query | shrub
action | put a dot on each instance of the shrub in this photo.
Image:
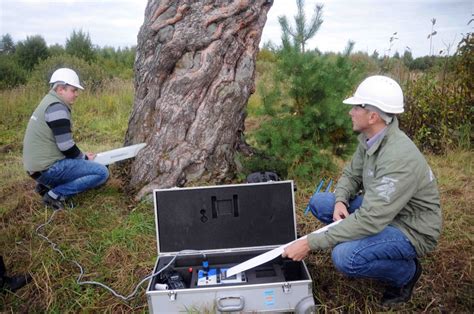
(31, 51)
(118, 63)
(80, 45)
(7, 45)
(56, 49)
(11, 74)
(439, 106)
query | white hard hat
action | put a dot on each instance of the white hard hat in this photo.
(379, 91)
(67, 76)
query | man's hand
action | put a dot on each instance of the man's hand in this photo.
(90, 156)
(298, 250)
(340, 211)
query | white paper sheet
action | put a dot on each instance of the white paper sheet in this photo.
(268, 256)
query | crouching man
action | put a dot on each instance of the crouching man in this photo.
(397, 218)
(50, 155)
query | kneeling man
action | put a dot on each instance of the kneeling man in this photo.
(387, 198)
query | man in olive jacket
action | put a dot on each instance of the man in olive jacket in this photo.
(50, 154)
(387, 198)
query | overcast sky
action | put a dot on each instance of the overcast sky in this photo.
(370, 23)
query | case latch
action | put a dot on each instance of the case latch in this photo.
(286, 287)
(172, 295)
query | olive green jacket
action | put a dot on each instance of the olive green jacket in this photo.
(399, 190)
(40, 149)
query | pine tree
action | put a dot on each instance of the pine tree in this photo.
(302, 31)
(313, 124)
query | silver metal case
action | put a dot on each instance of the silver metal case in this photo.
(224, 226)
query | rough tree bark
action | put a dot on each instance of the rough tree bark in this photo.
(194, 72)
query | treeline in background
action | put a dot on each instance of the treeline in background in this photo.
(296, 122)
(31, 61)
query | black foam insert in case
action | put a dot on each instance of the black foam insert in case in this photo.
(225, 217)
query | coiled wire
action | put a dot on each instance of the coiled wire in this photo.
(79, 281)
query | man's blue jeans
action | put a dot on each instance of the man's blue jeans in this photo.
(387, 256)
(68, 176)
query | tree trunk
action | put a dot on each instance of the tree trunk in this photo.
(194, 73)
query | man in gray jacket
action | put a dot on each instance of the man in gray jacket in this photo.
(387, 199)
(50, 154)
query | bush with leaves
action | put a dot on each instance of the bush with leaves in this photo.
(31, 51)
(306, 132)
(439, 106)
(56, 49)
(7, 45)
(11, 74)
(118, 62)
(91, 75)
(80, 45)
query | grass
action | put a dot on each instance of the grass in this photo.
(113, 237)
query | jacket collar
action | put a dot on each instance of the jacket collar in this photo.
(391, 128)
(55, 95)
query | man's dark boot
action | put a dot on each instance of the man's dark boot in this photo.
(11, 283)
(53, 203)
(14, 283)
(397, 295)
(41, 189)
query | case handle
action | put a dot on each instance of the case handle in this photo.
(231, 307)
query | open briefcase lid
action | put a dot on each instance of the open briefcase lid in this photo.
(224, 217)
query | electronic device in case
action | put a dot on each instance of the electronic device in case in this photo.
(172, 279)
(216, 276)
